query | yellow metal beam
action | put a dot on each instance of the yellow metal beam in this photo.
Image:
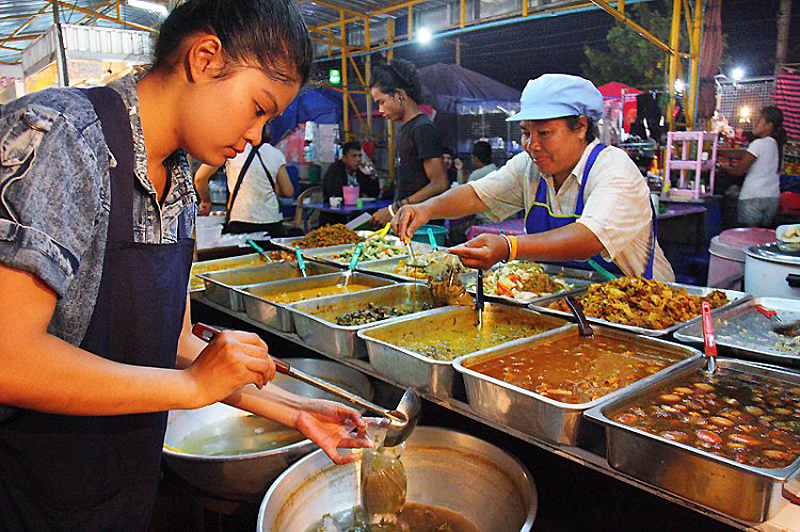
(697, 39)
(384, 11)
(674, 60)
(463, 13)
(410, 22)
(622, 17)
(101, 8)
(14, 34)
(340, 9)
(106, 17)
(345, 88)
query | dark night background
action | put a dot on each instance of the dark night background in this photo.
(516, 53)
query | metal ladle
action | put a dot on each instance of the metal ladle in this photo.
(584, 329)
(402, 419)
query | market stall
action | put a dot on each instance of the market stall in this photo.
(741, 483)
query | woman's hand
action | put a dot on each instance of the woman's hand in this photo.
(204, 208)
(231, 361)
(482, 252)
(381, 217)
(410, 218)
(330, 425)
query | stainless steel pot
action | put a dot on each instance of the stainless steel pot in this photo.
(772, 272)
(247, 476)
(445, 468)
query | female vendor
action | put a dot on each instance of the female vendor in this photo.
(583, 200)
(96, 216)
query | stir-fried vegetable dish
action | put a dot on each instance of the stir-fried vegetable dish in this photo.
(375, 313)
(329, 235)
(520, 280)
(372, 249)
(742, 417)
(643, 303)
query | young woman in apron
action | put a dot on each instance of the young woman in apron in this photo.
(582, 200)
(96, 215)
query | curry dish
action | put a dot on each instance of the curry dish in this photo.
(746, 418)
(576, 369)
(198, 267)
(311, 293)
(640, 302)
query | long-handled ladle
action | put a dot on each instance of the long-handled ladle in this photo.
(402, 419)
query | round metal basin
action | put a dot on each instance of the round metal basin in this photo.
(247, 476)
(445, 468)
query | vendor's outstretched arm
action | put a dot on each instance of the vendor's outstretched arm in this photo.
(327, 423)
(455, 203)
(572, 242)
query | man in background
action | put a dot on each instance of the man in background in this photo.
(481, 160)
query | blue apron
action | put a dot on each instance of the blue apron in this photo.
(540, 218)
(101, 473)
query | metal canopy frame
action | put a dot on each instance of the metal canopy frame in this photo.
(330, 22)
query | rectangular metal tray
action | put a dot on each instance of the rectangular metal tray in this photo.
(731, 323)
(439, 378)
(218, 265)
(324, 254)
(733, 297)
(539, 416)
(279, 315)
(385, 268)
(743, 492)
(221, 286)
(578, 278)
(315, 320)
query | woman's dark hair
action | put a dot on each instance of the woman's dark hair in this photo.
(574, 123)
(267, 33)
(774, 116)
(448, 151)
(398, 74)
(482, 151)
(348, 146)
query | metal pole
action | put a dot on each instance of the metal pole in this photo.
(61, 53)
(458, 51)
(389, 123)
(696, 45)
(345, 88)
(674, 60)
(367, 78)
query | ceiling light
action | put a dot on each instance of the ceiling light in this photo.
(424, 35)
(679, 85)
(737, 73)
(149, 6)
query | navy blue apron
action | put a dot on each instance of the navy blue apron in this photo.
(101, 473)
(540, 218)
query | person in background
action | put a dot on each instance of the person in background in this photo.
(397, 90)
(583, 200)
(347, 171)
(453, 165)
(759, 197)
(97, 212)
(481, 160)
(256, 177)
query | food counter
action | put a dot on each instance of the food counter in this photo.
(589, 455)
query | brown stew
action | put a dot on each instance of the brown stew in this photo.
(576, 369)
(747, 418)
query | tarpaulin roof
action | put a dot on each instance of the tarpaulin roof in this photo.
(320, 105)
(444, 86)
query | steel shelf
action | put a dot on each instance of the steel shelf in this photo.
(787, 520)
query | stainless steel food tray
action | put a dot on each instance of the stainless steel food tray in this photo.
(578, 278)
(279, 315)
(315, 320)
(386, 267)
(218, 265)
(733, 297)
(748, 333)
(436, 377)
(324, 254)
(221, 286)
(743, 492)
(539, 416)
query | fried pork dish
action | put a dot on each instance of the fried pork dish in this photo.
(640, 302)
(329, 235)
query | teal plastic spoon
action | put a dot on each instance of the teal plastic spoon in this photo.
(432, 240)
(260, 251)
(602, 271)
(300, 263)
(353, 264)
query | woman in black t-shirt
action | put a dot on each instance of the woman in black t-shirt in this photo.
(396, 89)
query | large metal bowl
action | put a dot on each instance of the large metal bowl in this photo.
(247, 476)
(445, 468)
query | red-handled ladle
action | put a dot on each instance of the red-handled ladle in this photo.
(709, 341)
(402, 420)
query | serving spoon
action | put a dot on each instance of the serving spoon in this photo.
(709, 341)
(584, 328)
(402, 419)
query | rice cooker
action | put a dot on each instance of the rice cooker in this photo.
(771, 272)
